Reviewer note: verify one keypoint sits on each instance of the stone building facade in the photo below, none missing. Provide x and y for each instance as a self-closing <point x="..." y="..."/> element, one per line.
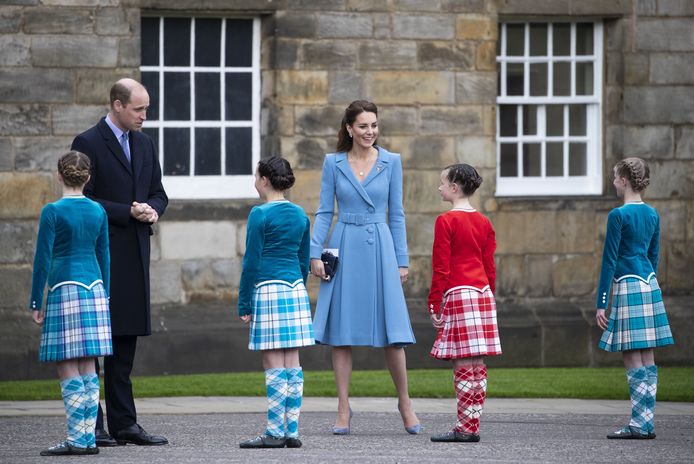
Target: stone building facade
<point x="431" y="66"/>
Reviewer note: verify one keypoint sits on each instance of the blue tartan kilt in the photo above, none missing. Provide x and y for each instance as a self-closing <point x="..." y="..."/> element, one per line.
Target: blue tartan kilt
<point x="77" y="324"/>
<point x="637" y="319"/>
<point x="281" y="317"/>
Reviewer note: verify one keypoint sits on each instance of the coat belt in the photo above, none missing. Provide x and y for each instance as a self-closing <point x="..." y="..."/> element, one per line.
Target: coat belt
<point x="361" y="219"/>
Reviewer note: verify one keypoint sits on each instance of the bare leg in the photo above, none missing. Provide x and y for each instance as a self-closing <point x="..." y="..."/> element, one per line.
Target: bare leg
<point x="273" y="359"/>
<point x="647" y="357"/>
<point x="342" y="365"/>
<point x="69" y="368"/>
<point x="397" y="365"/>
<point x="86" y="366"/>
<point x="291" y="358"/>
<point x="632" y="359"/>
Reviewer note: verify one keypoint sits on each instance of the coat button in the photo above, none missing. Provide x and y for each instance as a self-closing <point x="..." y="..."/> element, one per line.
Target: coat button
<point x="371" y="210"/>
<point x="370" y="230"/>
<point x="370" y="241"/>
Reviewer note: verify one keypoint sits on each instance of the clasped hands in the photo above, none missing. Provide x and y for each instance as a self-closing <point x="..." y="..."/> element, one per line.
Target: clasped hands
<point x="144" y="213"/>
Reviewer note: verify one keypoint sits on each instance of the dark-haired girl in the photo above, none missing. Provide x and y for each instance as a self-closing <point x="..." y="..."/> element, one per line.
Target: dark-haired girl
<point x="638" y="322"/>
<point x="273" y="299"/>
<point x="461" y="300"/>
<point x="72" y="257"/>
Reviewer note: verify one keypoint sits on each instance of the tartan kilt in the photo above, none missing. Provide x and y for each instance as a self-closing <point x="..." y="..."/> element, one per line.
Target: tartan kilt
<point x="470" y="327"/>
<point x="637" y="317"/>
<point x="77" y="324"/>
<point x="281" y="317"/>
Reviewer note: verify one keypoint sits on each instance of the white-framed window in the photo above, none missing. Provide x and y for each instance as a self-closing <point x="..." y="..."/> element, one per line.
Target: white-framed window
<point x="203" y="78"/>
<point x="549" y="108"/>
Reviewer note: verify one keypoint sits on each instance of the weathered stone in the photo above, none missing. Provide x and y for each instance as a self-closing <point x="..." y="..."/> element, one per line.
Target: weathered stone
<point x="419" y="278"/>
<point x="690" y="221"/>
<point x="203" y="239"/>
<point x="668" y="35"/>
<point x="336" y="5"/>
<point x="671" y="179"/>
<point x="429" y="152"/>
<point x="662" y="104"/>
<point x="563" y="325"/>
<point x="6" y="154"/>
<point x="74" y="119"/>
<point x="397" y="120"/>
<point x="15" y="286"/>
<point x="23" y="195"/>
<point x="451" y="120"/>
<point x="39" y="153"/>
<point x="680" y="261"/>
<point x="485" y="59"/>
<point x="411" y="87"/>
<point x="211" y="280"/>
<point x="475" y="87"/>
<point x="420" y="234"/>
<point x="345" y="86"/>
<point x="15" y="50"/>
<point x="129" y="52"/>
<point x="165" y="282"/>
<point x="648" y="141"/>
<point x="112" y="21"/>
<point x="387" y="55"/>
<point x="675" y="8"/>
<point x="328" y="54"/>
<point x="466" y="6"/>
<point x="304" y="193"/>
<point x="673" y="219"/>
<point x="676" y="68"/>
<point x="479" y="152"/>
<point x="684" y="143"/>
<point x="397" y="144"/>
<point x="470" y="27"/>
<point x="94" y="85"/>
<point x="538" y="276"/>
<point x="24" y="119"/>
<point x="74" y="51"/>
<point x="295" y="24"/>
<point x="636" y="68"/>
<point x="613" y="102"/>
<point x="43" y="20"/>
<point x="381" y="26"/>
<point x="36" y="85"/>
<point x="10" y="20"/>
<point x="344" y="25"/>
<point x="446" y="55"/>
<point x="511" y="276"/>
<point x="533" y="231"/>
<point x="425" y="26"/>
<point x="302" y="87"/>
<point x="614" y="68"/>
<point x="367" y="5"/>
<point x="306" y="152"/>
<point x="17" y="244"/>
<point x="285" y="120"/>
<point x="574" y="275"/>
<point x="646" y="7"/>
<point x="286" y="54"/>
<point x="241" y="238"/>
<point x="538" y="7"/>
<point x="618" y="34"/>
<point x="598" y="7"/>
<point x="80" y="2"/>
<point x="318" y="120"/>
<point x="420" y="194"/>
<point x="417" y="5"/>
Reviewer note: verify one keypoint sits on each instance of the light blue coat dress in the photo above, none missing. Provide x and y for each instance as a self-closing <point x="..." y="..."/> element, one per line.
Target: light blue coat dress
<point x="364" y="303"/>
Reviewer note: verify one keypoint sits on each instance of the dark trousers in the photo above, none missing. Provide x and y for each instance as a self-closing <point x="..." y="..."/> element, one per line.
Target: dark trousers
<point x="120" y="405"/>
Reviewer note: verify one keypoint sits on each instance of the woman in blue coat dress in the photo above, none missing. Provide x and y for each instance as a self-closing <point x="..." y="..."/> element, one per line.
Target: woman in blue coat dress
<point x="363" y="304"/>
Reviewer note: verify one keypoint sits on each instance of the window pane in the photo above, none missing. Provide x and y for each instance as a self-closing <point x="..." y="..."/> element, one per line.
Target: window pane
<point x="531" y="159"/>
<point x="239" y="150"/>
<point x="176" y="151"/>
<point x="562" y="79"/>
<point x="515" y="39"/>
<point x="149" y="45"/>
<point x="584" y="38"/>
<point x="555" y="120"/>
<point x="177" y="96"/>
<point x="207" y="98"/>
<point x="176" y="41"/>
<point x="208" y="42"/>
<point x="239" y="46"/>
<point x="538" y="39"/>
<point x="555" y="159"/>
<point x="498" y="79"/>
<point x="238" y="97"/>
<point x="529" y="119"/>
<point x="151" y="82"/>
<point x="538" y="79"/>
<point x="577" y="159"/>
<point x="584" y="78"/>
<point x="208" y="158"/>
<point x="514" y="78"/>
<point x="509" y="160"/>
<point x="577" y="120"/>
<point x="561" y="41"/>
<point x="154" y="133"/>
<point x="508" y="121"/>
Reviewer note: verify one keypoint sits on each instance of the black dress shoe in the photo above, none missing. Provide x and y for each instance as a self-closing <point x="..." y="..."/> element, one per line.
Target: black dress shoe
<point x="293" y="443"/>
<point x="66" y="449"/>
<point x="137" y="436"/>
<point x="455" y="436"/>
<point x="104" y="439"/>
<point x="630" y="433"/>
<point x="264" y="441"/>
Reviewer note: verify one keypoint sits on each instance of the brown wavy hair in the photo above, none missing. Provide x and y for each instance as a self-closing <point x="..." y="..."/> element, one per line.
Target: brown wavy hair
<point x="74" y="168"/>
<point x="357" y="107"/>
<point x="635" y="171"/>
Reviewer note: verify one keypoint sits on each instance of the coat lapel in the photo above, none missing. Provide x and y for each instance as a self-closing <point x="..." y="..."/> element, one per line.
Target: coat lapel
<point x="113" y="145"/>
<point x="379" y="167"/>
<point x="343" y="165"/>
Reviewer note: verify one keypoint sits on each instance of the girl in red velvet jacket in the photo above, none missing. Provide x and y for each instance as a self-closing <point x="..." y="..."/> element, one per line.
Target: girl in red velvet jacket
<point x="461" y="300"/>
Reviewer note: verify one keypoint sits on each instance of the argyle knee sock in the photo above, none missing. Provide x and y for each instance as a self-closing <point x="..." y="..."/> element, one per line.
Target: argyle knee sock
<point x="641" y="413"/>
<point x="652" y="380"/>
<point x="91" y="406"/>
<point x="73" y="399"/>
<point x="468" y="417"/>
<point x="295" y="392"/>
<point x="276" y="390"/>
<point x="480" y="389"/>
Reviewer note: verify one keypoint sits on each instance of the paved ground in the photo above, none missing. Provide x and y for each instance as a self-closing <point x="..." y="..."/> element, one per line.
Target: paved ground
<point x="208" y="430"/>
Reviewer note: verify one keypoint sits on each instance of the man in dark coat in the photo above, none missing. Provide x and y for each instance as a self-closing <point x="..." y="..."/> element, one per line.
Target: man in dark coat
<point x="126" y="180"/>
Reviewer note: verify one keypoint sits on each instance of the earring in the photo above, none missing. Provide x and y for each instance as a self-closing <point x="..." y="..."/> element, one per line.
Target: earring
<point x="350" y="135"/>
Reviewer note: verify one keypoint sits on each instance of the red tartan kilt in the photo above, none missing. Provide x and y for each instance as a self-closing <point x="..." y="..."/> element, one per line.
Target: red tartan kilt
<point x="470" y="327"/>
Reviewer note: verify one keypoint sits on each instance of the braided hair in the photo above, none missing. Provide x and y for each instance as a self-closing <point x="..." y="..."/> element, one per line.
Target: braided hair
<point x="467" y="177"/>
<point x="278" y="171"/>
<point x="74" y="168"/>
<point x="635" y="171"/>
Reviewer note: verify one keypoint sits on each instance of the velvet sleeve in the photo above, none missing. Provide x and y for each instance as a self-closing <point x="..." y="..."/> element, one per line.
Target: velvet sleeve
<point x="609" y="257"/>
<point x="255" y="239"/>
<point x="654" y="245"/>
<point x="42" y="258"/>
<point x="440" y="263"/>
<point x="305" y="251"/>
<point x="103" y="256"/>
<point x="488" y="257"/>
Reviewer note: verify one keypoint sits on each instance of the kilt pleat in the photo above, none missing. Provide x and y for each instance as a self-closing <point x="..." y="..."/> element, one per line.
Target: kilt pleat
<point x="281" y="317"/>
<point x="470" y="327"/>
<point x="77" y="324"/>
<point x="637" y="318"/>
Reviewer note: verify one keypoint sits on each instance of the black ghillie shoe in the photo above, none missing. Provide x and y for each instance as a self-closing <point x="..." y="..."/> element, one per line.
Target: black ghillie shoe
<point x="455" y="436"/>
<point x="66" y="449"/>
<point x="630" y="433"/>
<point x="293" y="443"/>
<point x="264" y="441"/>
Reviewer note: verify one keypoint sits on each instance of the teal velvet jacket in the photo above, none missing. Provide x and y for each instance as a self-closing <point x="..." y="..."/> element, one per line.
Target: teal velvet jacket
<point x="71" y="248"/>
<point x="631" y="247"/>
